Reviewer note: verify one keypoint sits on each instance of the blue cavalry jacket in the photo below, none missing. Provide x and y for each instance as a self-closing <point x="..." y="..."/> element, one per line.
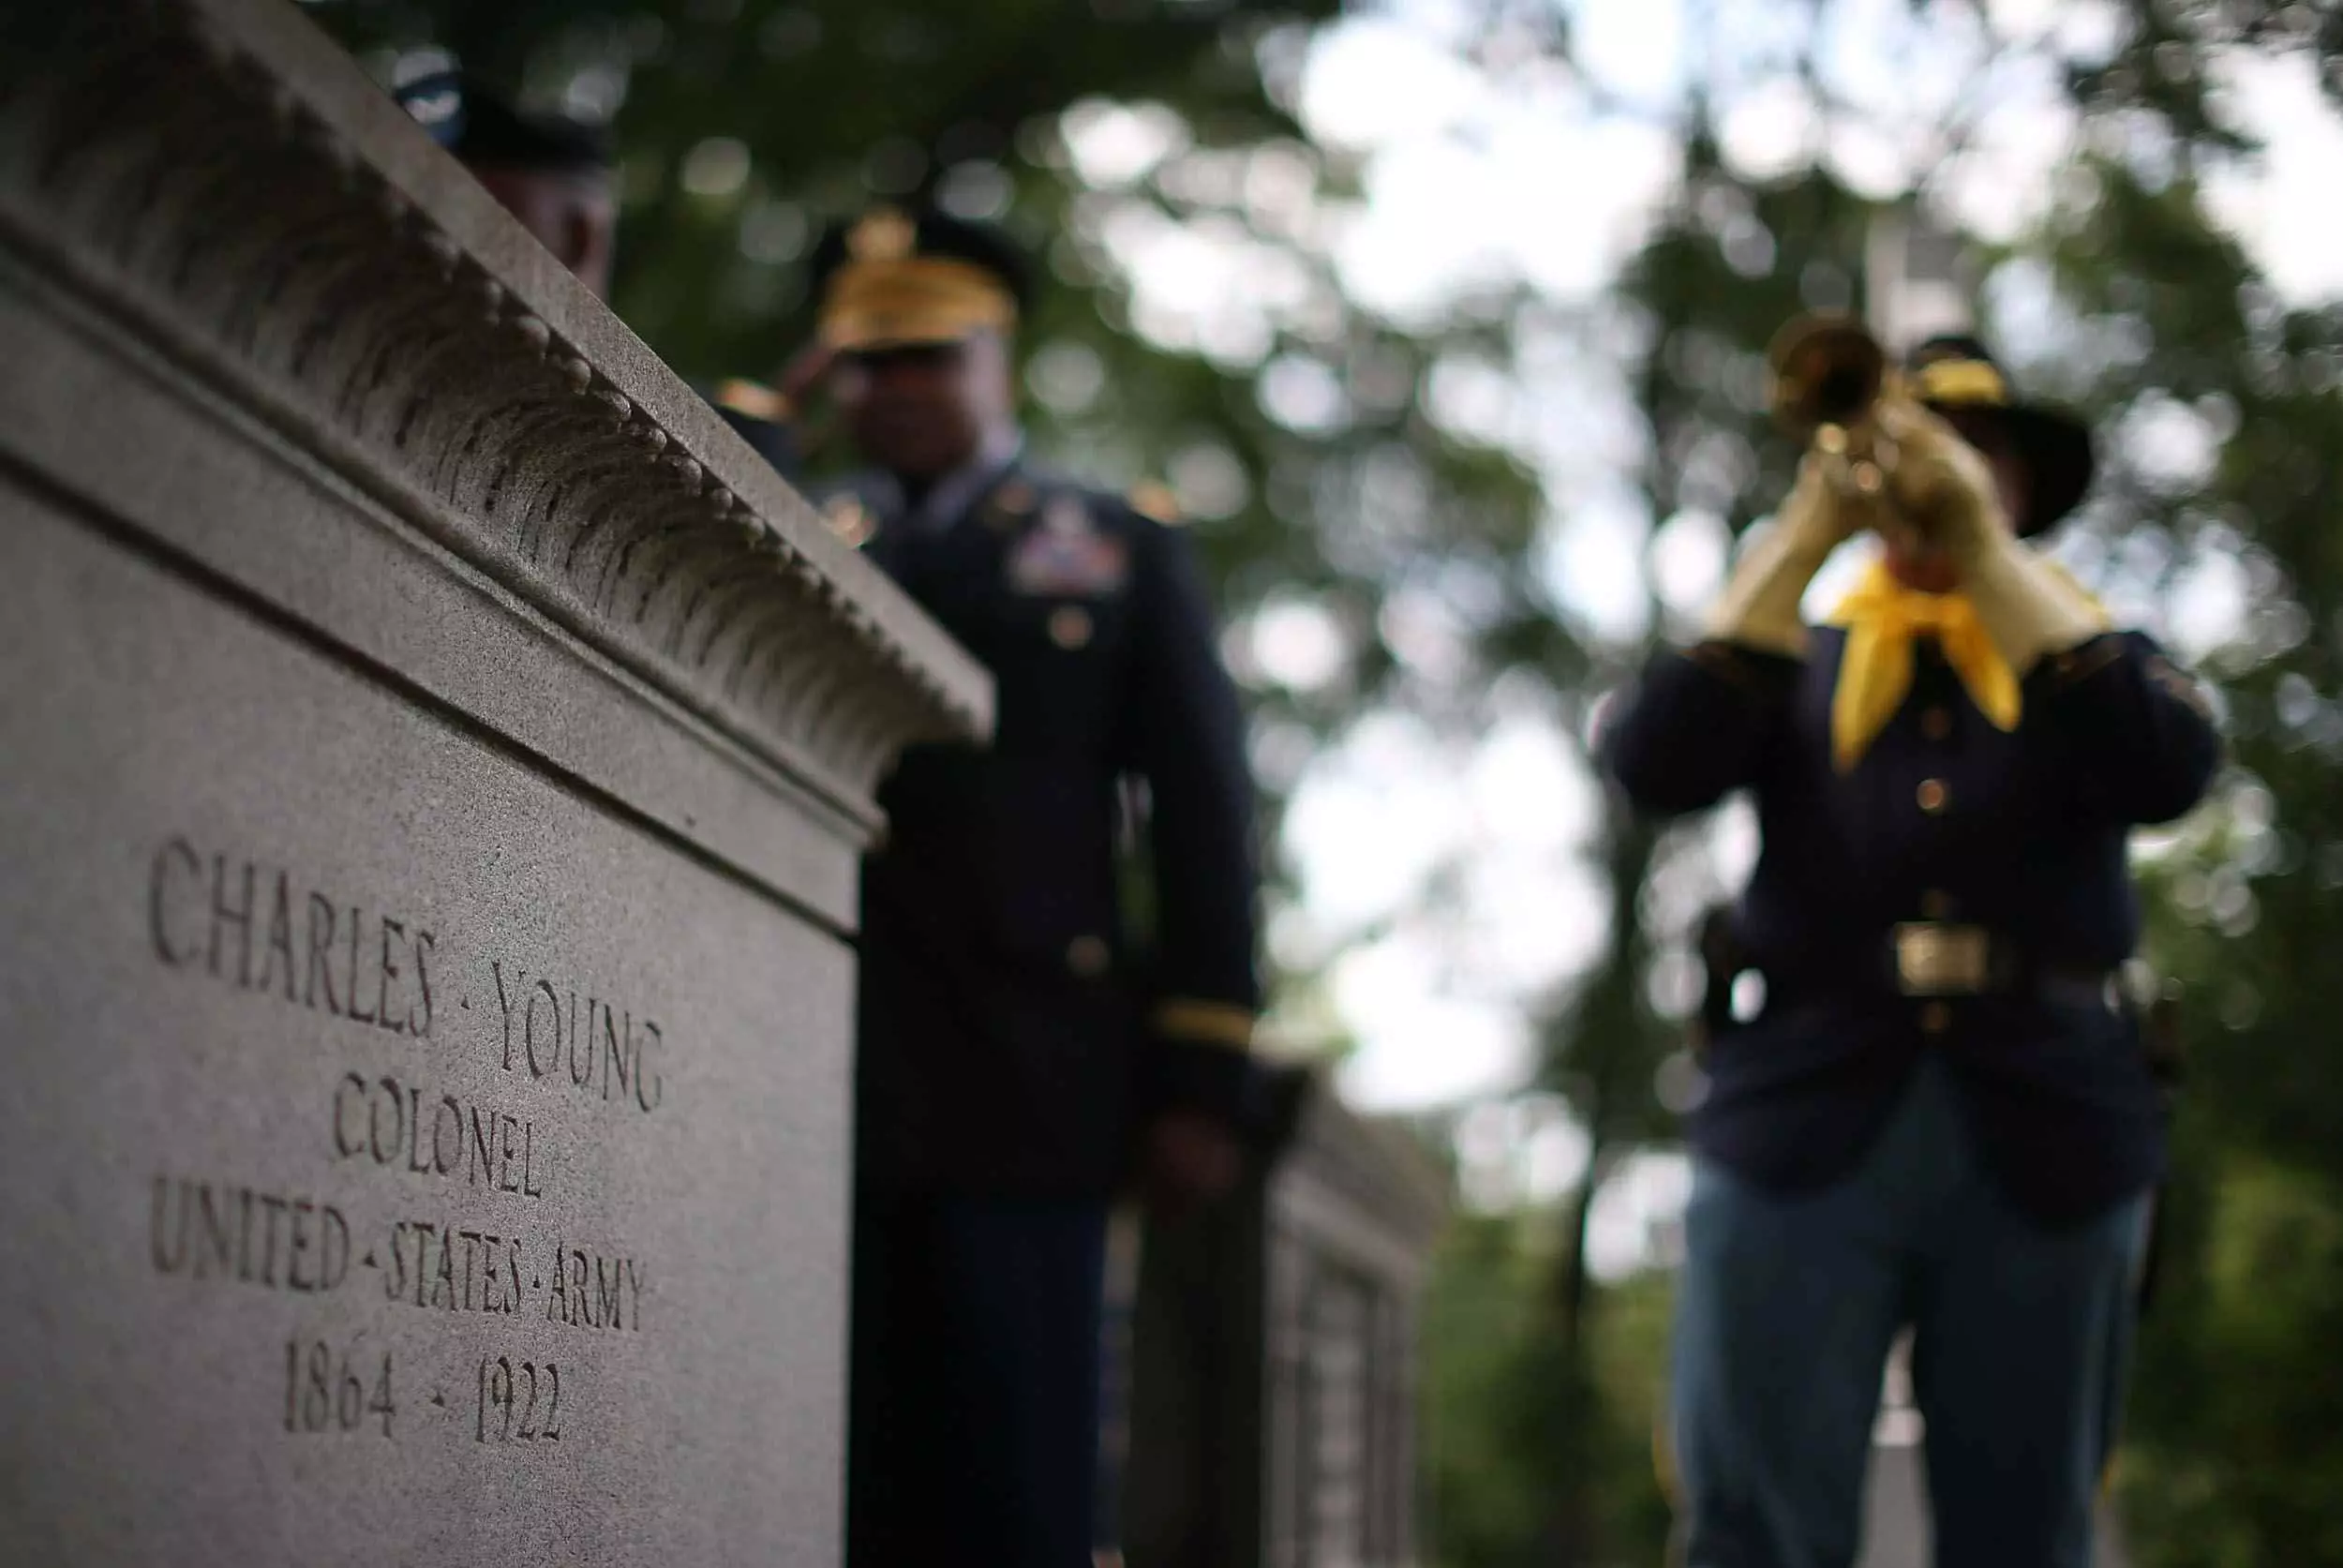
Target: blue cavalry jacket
<point x="1945" y="818"/>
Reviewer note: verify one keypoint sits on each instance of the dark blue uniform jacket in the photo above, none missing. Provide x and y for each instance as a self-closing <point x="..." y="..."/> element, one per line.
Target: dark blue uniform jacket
<point x="1945" y="818"/>
<point x="1008" y="1033"/>
<point x="1021" y="1006"/>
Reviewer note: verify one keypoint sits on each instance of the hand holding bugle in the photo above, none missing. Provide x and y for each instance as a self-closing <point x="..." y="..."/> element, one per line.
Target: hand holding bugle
<point x="1887" y="463"/>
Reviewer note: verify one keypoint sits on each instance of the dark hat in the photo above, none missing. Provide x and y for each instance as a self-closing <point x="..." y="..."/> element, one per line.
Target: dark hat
<point x="480" y="129"/>
<point x="893" y="278"/>
<point x="1955" y="374"/>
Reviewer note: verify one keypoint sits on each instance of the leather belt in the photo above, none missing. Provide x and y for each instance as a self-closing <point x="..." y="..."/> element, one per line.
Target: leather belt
<point x="1925" y="960"/>
<point x="1939" y="959"/>
<point x="1921" y="960"/>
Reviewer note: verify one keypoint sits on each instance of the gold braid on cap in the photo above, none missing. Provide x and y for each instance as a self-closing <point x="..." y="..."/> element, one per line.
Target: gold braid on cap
<point x="1205" y="1022"/>
<point x="916" y="299"/>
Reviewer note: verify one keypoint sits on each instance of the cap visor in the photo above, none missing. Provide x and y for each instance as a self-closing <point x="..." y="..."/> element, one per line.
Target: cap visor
<point x="2056" y="447"/>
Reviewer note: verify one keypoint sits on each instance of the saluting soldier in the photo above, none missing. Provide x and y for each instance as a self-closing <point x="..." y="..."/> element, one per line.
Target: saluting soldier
<point x="1941" y="1116"/>
<point x="1018" y="1036"/>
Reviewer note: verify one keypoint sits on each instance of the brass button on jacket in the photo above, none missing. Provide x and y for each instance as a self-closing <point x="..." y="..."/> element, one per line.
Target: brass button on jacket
<point x="1932" y="796"/>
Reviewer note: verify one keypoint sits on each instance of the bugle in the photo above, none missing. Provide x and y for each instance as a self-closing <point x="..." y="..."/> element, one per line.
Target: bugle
<point x="1828" y="370"/>
<point x="1828" y="374"/>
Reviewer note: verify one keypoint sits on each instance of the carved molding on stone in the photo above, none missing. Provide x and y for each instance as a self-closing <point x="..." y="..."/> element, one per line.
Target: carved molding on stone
<point x="217" y="172"/>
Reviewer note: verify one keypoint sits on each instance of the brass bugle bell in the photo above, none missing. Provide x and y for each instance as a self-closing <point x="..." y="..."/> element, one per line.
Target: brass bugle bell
<point x="1828" y="370"/>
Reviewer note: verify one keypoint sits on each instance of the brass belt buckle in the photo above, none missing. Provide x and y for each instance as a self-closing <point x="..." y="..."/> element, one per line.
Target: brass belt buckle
<point x="1937" y="960"/>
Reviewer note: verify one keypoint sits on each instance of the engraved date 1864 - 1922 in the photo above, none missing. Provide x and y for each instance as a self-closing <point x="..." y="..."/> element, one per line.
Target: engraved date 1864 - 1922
<point x="331" y="1389"/>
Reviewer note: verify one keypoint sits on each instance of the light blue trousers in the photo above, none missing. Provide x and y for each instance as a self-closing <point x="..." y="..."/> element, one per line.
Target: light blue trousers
<point x="1788" y="1306"/>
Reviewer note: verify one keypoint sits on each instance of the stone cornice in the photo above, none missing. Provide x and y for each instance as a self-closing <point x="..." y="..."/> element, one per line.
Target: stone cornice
<point x="219" y="173"/>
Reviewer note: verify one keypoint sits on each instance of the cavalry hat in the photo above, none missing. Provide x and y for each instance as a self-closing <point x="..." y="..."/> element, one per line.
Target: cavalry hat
<point x="1955" y="376"/>
<point x="478" y="126"/>
<point x="893" y="278"/>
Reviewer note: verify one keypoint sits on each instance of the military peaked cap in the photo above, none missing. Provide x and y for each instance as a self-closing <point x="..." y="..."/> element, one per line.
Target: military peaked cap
<point x="480" y="127"/>
<point x="897" y="278"/>
<point x="1956" y="376"/>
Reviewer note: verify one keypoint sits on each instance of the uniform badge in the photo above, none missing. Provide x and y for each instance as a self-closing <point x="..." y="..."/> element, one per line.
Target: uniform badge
<point x="1065" y="555"/>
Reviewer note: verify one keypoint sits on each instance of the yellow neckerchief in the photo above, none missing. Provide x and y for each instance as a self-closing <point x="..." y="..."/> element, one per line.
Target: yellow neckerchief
<point x="1882" y="617"/>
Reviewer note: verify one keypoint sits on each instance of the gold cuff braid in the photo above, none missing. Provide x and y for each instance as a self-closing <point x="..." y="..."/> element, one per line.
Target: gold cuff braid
<point x="1222" y="1024"/>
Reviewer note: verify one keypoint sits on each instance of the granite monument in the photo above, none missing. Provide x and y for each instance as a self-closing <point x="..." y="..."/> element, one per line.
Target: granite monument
<point x="437" y="752"/>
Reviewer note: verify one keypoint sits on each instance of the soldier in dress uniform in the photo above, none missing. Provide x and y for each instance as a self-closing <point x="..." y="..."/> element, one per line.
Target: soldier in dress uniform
<point x="1942" y="1116"/>
<point x="557" y="177"/>
<point x="552" y="173"/>
<point x="1018" y="1036"/>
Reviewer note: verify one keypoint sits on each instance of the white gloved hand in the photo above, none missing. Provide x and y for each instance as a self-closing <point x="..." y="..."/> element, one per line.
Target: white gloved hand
<point x="1759" y="608"/>
<point x="1937" y="485"/>
<point x="1943" y="488"/>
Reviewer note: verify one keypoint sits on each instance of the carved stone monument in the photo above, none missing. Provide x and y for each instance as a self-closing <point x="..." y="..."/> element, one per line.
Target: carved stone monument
<point x="1274" y="1373"/>
<point x="436" y="756"/>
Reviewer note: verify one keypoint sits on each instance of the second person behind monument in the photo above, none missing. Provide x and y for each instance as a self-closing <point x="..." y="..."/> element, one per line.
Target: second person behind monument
<point x="1017" y="1039"/>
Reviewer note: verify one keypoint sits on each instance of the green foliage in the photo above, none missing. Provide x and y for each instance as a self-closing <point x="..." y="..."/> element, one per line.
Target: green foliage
<point x="1500" y="1436"/>
<point x="2235" y="1452"/>
<point x="1491" y="1367"/>
<point x="2235" y="1458"/>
